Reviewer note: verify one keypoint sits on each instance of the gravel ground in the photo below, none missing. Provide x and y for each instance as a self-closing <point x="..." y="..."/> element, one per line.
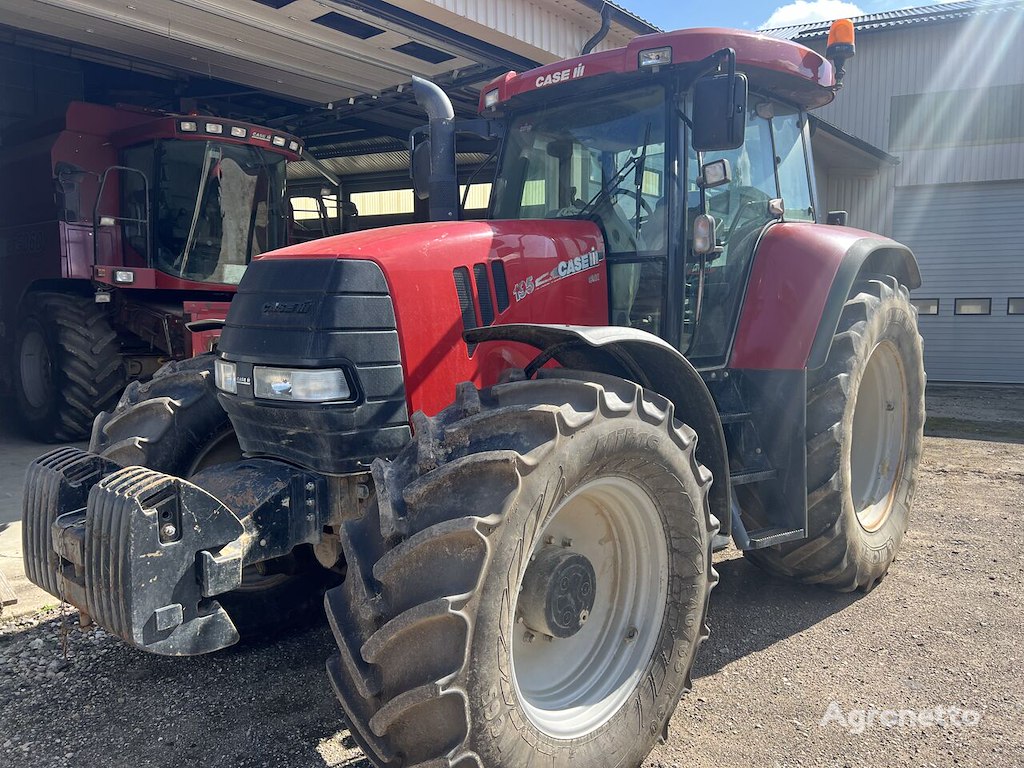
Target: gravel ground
<point x="941" y="631"/>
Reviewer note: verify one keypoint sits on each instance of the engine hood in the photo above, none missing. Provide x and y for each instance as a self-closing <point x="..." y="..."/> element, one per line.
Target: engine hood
<point x="446" y="277"/>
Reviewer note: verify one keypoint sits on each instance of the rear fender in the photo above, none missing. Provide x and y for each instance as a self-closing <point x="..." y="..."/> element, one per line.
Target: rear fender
<point x="801" y="278"/>
<point x="649" y="361"/>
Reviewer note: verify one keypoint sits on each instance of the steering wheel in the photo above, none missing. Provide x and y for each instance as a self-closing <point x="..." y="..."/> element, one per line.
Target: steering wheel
<point x="749" y="196"/>
<point x="644" y="205"/>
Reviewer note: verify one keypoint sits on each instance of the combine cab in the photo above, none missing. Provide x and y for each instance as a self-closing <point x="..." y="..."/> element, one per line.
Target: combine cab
<point x="125" y="225"/>
<point x="505" y="450"/>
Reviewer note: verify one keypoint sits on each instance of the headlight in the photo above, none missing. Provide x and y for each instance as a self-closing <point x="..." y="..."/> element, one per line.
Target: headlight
<point x="655" y="57"/>
<point x="300" y="385"/>
<point x="224" y="375"/>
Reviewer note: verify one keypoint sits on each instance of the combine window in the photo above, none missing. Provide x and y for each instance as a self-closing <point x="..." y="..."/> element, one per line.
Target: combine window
<point x="214" y="206"/>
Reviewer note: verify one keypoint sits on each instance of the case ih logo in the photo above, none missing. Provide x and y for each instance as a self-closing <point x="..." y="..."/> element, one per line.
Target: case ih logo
<point x="560" y="76"/>
<point x="564" y="269"/>
<point x="261" y="136"/>
<point x="287" y="307"/>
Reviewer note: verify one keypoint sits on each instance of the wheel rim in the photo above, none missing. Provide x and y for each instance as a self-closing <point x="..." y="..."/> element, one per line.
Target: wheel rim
<point x="35" y="368"/>
<point x="569" y="687"/>
<point x="879" y="436"/>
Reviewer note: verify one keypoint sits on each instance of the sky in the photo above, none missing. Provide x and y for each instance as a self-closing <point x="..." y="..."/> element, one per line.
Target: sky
<point x="755" y="14"/>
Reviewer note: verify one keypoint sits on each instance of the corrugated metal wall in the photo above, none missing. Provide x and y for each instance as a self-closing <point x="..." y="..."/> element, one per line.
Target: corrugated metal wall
<point x="960" y="207"/>
<point x="868" y="199"/>
<point x="553" y="29"/>
<point x="36" y="84"/>
<point x="973" y="54"/>
<point x="969" y="239"/>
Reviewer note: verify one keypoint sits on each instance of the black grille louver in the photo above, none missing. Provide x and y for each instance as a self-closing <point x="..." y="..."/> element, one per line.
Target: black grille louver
<point x="465" y="293"/>
<point x="500" y="285"/>
<point x="483" y="291"/>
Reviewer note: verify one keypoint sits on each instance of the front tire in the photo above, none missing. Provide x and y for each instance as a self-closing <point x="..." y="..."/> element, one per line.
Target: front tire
<point x="67" y="366"/>
<point x="174" y="424"/>
<point x="865" y="426"/>
<point x="471" y="629"/>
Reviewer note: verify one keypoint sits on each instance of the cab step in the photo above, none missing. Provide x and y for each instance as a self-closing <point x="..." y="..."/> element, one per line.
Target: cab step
<point x="734" y="418"/>
<point x="769" y="537"/>
<point x="745" y="478"/>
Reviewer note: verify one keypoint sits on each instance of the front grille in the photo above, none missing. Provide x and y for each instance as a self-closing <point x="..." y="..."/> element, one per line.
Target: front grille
<point x="318" y="313"/>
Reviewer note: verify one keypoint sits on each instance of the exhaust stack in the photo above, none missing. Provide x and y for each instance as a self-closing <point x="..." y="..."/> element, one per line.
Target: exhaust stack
<point x="442" y="182"/>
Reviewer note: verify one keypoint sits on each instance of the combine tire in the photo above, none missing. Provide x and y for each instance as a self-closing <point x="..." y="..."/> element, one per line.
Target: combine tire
<point x="865" y="420"/>
<point x="531" y="579"/>
<point x="174" y="424"/>
<point x="67" y="366"/>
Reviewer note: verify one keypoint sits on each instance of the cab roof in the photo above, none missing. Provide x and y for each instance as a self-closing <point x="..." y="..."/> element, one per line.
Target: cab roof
<point x="779" y="67"/>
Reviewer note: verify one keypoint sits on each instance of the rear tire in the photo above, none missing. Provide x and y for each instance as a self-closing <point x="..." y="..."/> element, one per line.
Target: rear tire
<point x="67" y="366"/>
<point x="865" y="425"/>
<point x="440" y="658"/>
<point x="174" y="424"/>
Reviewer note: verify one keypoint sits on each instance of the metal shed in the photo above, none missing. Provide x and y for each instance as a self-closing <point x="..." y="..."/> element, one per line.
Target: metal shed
<point x="336" y="72"/>
<point x="941" y="88"/>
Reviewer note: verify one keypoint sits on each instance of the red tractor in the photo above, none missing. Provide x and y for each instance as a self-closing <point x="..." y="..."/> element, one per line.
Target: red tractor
<point x="117" y="226"/>
<point x="504" y="451"/>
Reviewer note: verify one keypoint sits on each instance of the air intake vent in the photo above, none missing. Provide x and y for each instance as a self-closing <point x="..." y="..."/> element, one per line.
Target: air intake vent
<point x="483" y="291"/>
<point x="500" y="284"/>
<point x="465" y="293"/>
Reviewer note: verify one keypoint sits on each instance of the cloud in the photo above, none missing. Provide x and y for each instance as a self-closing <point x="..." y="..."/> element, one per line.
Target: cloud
<point x="807" y="11"/>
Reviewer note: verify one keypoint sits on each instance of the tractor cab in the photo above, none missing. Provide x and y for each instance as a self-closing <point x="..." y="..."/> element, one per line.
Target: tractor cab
<point x="655" y="145"/>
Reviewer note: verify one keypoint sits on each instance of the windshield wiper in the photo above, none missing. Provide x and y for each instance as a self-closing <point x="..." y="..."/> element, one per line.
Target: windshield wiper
<point x="634" y="161"/>
<point x="638" y="179"/>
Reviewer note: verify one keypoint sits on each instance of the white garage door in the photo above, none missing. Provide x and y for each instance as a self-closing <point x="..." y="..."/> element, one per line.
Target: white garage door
<point x="969" y="240"/>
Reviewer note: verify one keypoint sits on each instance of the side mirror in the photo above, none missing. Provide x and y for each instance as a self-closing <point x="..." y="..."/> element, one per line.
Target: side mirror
<point x="719" y="112"/>
<point x="714" y="174"/>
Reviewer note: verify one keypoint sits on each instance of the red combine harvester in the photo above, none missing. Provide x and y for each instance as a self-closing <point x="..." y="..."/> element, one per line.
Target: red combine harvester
<point x="117" y="226"/>
<point x="504" y="451"/>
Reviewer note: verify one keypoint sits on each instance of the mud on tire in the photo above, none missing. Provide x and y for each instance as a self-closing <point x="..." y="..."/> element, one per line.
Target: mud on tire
<point x="67" y="366"/>
<point x="426" y="621"/>
<point x="856" y="524"/>
<point x="173" y="423"/>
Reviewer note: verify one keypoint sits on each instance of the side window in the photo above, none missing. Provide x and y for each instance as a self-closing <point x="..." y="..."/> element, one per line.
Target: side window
<point x="740" y="209"/>
<point x="741" y="206"/>
<point x="792" y="160"/>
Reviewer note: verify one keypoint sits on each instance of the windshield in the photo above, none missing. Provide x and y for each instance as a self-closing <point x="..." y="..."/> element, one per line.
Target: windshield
<point x="215" y="206"/>
<point x="604" y="158"/>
